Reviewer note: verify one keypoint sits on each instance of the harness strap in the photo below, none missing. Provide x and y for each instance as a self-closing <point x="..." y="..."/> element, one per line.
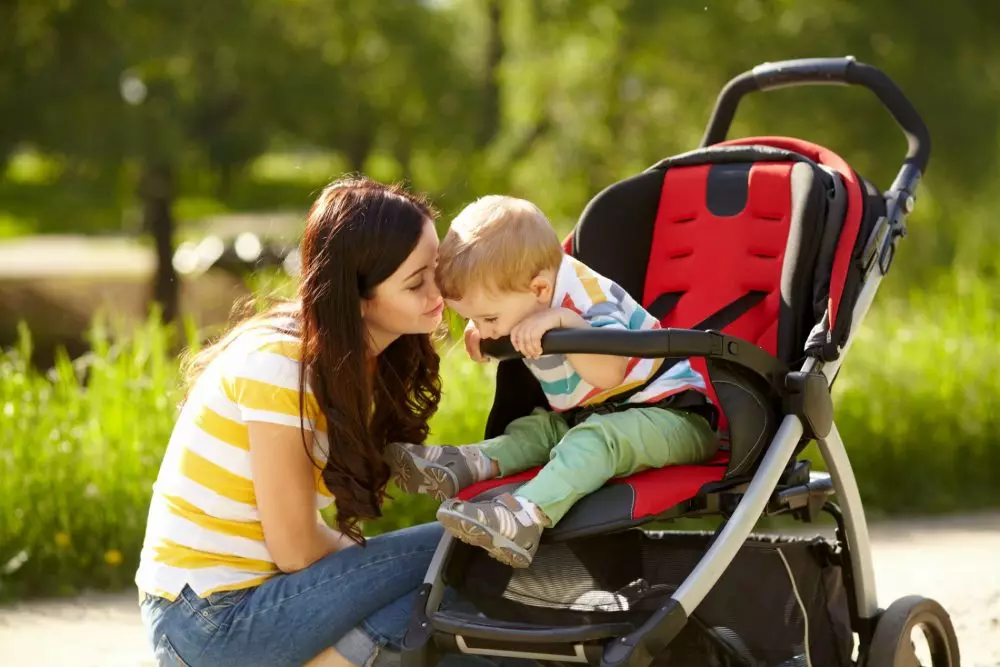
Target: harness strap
<point x="686" y="400"/>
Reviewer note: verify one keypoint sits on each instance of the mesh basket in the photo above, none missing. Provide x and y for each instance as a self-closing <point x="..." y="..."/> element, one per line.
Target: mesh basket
<point x="781" y="602"/>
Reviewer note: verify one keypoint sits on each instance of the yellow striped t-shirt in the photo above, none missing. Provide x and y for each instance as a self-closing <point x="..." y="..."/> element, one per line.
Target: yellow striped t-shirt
<point x="204" y="529"/>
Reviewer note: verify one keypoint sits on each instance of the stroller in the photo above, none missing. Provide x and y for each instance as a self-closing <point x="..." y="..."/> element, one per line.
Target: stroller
<point x="760" y="257"/>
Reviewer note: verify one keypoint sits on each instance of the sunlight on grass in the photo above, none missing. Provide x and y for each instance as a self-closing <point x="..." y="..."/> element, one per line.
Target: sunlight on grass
<point x="11" y="226"/>
<point x="311" y="167"/>
<point x="29" y="167"/>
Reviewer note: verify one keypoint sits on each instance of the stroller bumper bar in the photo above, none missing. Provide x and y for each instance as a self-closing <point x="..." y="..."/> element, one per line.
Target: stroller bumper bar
<point x="652" y="344"/>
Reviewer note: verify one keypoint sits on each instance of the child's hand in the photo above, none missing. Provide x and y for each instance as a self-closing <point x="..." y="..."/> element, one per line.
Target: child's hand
<point x="526" y="336"/>
<point x="472" y="340"/>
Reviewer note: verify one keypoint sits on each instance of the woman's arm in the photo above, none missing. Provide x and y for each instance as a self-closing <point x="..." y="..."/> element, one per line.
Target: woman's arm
<point x="284" y="483"/>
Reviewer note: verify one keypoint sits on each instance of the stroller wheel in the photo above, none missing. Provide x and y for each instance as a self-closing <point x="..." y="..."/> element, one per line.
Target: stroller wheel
<point x="896" y="642"/>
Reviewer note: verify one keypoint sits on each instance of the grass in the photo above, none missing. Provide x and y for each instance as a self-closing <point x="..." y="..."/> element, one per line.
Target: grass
<point x="78" y="460"/>
<point x="918" y="400"/>
<point x="80" y="445"/>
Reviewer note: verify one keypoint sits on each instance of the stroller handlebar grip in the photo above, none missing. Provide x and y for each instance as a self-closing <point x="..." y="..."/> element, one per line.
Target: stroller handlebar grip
<point x="818" y="71"/>
<point x="651" y="344"/>
<point x="769" y="76"/>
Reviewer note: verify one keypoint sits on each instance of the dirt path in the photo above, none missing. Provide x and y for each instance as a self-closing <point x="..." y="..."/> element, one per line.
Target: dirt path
<point x="954" y="560"/>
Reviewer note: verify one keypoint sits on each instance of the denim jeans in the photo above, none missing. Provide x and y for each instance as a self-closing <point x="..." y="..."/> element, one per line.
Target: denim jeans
<point x="358" y="600"/>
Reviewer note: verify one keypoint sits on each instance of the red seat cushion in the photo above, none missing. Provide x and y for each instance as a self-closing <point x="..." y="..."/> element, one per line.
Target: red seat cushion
<point x="712" y="260"/>
<point x="653" y="491"/>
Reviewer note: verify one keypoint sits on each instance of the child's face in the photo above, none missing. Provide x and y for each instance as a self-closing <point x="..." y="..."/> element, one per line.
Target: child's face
<point x="495" y="313"/>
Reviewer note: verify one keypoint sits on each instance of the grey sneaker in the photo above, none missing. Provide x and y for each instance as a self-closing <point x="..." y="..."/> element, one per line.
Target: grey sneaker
<point x="508" y="531"/>
<point x="440" y="471"/>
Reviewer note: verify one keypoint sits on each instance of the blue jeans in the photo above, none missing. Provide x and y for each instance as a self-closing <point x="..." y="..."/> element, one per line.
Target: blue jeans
<point x="358" y="600"/>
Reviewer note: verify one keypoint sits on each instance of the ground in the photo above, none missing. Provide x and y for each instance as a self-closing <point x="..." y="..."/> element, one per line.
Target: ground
<point x="952" y="559"/>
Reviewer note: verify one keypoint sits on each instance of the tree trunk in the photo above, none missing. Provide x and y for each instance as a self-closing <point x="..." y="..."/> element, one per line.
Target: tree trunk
<point x="224" y="184"/>
<point x="358" y="147"/>
<point x="490" y="122"/>
<point x="157" y="195"/>
<point x="403" y="152"/>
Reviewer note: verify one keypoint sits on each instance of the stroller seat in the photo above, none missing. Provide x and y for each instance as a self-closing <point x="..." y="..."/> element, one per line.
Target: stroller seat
<point x="740" y="238"/>
<point x="622" y="502"/>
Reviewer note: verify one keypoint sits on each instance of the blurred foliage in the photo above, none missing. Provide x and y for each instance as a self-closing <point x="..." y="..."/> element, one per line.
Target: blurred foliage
<point x="552" y="101"/>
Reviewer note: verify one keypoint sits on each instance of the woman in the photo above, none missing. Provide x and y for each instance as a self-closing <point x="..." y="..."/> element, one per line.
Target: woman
<point x="287" y="412"/>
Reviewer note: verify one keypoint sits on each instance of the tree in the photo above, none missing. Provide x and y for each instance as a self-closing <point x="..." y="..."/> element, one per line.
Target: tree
<point x="158" y="90"/>
<point x="552" y="101"/>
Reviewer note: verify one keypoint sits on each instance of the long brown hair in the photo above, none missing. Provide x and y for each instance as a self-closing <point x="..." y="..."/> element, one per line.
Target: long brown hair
<point x="358" y="232"/>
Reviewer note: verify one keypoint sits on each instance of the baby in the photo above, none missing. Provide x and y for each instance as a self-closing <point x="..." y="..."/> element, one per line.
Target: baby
<point x="502" y="267"/>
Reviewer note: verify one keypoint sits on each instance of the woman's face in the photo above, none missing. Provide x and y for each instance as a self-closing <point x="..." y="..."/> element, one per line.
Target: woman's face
<point x="408" y="301"/>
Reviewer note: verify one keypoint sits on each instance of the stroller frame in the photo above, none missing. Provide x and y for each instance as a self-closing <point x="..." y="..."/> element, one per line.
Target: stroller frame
<point x="808" y="413"/>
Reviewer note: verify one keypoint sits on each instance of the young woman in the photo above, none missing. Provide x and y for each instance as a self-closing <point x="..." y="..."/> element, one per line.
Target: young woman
<point x="287" y="413"/>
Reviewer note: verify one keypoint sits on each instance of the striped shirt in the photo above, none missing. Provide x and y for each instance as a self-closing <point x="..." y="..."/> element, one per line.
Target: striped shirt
<point x="603" y="303"/>
<point x="204" y="529"/>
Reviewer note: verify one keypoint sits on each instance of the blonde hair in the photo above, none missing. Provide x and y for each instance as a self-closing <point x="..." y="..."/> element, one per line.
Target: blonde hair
<point x="496" y="243"/>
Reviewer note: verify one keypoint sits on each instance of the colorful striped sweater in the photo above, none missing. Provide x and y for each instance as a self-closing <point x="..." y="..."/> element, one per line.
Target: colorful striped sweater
<point x="603" y="303"/>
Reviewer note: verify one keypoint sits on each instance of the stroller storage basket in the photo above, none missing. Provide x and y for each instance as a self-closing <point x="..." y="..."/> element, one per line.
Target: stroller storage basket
<point x="778" y="591"/>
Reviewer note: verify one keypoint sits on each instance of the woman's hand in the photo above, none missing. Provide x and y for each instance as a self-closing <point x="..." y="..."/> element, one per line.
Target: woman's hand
<point x="284" y="478"/>
<point x="526" y="336"/>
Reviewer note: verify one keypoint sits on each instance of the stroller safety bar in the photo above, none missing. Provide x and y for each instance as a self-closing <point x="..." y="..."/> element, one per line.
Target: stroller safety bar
<point x="651" y="344"/>
<point x="811" y="71"/>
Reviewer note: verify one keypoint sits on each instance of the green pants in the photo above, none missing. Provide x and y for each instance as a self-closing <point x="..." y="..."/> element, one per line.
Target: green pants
<point x="580" y="460"/>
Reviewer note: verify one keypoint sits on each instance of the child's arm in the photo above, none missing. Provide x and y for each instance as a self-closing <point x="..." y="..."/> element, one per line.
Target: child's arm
<point x="598" y="370"/>
<point x="472" y="343"/>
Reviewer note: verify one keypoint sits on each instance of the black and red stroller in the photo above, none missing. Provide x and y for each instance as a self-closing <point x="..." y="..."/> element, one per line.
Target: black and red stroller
<point x="760" y="256"/>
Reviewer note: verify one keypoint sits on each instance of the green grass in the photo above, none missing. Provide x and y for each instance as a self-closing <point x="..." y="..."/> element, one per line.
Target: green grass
<point x="918" y="400"/>
<point x="77" y="461"/>
<point x="80" y="445"/>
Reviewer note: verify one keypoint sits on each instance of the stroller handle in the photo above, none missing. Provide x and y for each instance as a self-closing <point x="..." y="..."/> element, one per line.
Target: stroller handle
<point x="812" y="71"/>
<point x="651" y="344"/>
